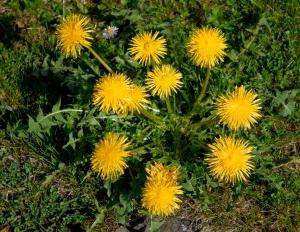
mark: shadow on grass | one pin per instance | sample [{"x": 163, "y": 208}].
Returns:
[{"x": 8, "y": 30}]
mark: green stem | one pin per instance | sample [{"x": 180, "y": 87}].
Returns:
[
  {"x": 140, "y": 149},
  {"x": 177, "y": 141},
  {"x": 152, "y": 117},
  {"x": 169, "y": 108},
  {"x": 174, "y": 104},
  {"x": 202, "y": 93},
  {"x": 60, "y": 111},
  {"x": 204, "y": 122},
  {"x": 100, "y": 60}
]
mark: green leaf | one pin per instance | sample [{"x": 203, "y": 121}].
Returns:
[
  {"x": 155, "y": 225},
  {"x": 188, "y": 186},
  {"x": 40, "y": 115},
  {"x": 33, "y": 126},
  {"x": 56, "y": 107},
  {"x": 71, "y": 142},
  {"x": 233, "y": 55},
  {"x": 123, "y": 200}
]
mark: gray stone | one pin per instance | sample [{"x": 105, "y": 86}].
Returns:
[
  {"x": 173, "y": 224},
  {"x": 122, "y": 229}
]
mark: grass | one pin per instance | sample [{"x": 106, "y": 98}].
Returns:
[{"x": 46, "y": 183}]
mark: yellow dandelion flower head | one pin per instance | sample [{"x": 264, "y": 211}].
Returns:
[
  {"x": 230, "y": 159},
  {"x": 160, "y": 195},
  {"x": 148, "y": 48},
  {"x": 164, "y": 80},
  {"x": 206, "y": 47},
  {"x": 73, "y": 34},
  {"x": 137, "y": 99},
  {"x": 112, "y": 93},
  {"x": 239, "y": 109},
  {"x": 109, "y": 155}
]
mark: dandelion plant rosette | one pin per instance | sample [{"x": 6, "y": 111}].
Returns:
[{"x": 230, "y": 159}]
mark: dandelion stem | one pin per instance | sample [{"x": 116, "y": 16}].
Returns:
[
  {"x": 204, "y": 122},
  {"x": 140, "y": 149},
  {"x": 202, "y": 93},
  {"x": 169, "y": 108},
  {"x": 100, "y": 60},
  {"x": 152, "y": 117},
  {"x": 177, "y": 142}
]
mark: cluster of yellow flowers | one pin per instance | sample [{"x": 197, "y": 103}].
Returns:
[
  {"x": 230, "y": 158},
  {"x": 116, "y": 93}
]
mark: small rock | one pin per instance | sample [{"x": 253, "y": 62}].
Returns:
[
  {"x": 172, "y": 224},
  {"x": 122, "y": 229},
  {"x": 139, "y": 226}
]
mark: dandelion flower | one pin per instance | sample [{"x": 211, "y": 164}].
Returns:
[
  {"x": 137, "y": 99},
  {"x": 160, "y": 195},
  {"x": 109, "y": 155},
  {"x": 239, "y": 109},
  {"x": 164, "y": 80},
  {"x": 230, "y": 159},
  {"x": 148, "y": 48},
  {"x": 110, "y": 32},
  {"x": 112, "y": 93},
  {"x": 206, "y": 47},
  {"x": 73, "y": 34}
]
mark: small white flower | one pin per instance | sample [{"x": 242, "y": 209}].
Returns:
[{"x": 110, "y": 32}]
